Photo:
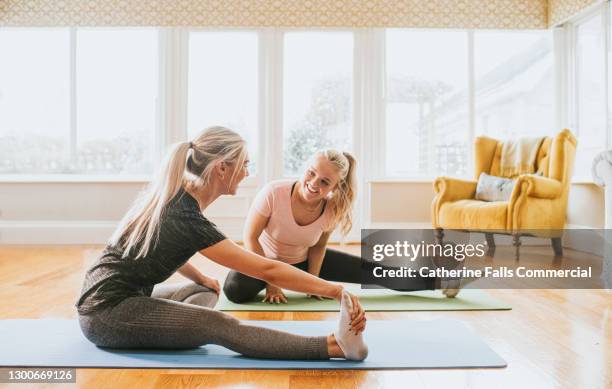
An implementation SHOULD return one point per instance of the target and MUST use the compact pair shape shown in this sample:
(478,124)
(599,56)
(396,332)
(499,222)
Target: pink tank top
(283,238)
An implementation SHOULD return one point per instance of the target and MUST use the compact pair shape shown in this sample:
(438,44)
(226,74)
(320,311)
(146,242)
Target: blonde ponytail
(343,198)
(187,163)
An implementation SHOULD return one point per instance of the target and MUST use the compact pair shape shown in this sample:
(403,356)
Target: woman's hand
(274,295)
(210,283)
(358,319)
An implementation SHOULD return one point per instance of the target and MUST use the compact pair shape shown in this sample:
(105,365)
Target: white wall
(410,202)
(87,212)
(586,205)
(400,201)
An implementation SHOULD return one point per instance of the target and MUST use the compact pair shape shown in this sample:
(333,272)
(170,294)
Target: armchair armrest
(538,187)
(529,196)
(452,189)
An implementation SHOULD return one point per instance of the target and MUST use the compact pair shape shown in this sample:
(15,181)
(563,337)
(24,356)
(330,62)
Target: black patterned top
(183,231)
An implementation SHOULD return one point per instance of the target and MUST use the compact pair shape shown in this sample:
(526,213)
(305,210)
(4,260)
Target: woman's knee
(234,292)
(189,290)
(86,324)
(96,331)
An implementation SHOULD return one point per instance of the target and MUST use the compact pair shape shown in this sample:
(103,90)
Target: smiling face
(320,178)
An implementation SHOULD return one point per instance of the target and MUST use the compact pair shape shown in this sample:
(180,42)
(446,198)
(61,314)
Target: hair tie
(191,145)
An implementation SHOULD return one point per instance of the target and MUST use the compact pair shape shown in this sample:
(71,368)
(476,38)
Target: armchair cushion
(493,188)
(474,214)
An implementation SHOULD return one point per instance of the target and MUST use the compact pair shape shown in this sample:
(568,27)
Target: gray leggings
(181,316)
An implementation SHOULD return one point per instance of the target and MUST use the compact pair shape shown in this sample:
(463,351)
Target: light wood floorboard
(551,338)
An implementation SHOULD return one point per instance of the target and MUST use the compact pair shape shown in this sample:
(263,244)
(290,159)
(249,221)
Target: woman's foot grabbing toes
(349,334)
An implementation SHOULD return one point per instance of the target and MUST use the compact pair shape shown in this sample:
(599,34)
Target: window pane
(318,98)
(514,76)
(223,84)
(34,100)
(426,103)
(117,86)
(591,93)
(609,71)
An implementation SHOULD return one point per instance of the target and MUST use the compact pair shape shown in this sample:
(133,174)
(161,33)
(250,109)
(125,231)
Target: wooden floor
(551,338)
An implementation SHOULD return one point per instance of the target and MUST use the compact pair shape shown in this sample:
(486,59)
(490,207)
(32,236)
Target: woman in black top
(120,305)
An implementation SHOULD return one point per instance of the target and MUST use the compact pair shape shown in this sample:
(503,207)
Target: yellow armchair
(537,205)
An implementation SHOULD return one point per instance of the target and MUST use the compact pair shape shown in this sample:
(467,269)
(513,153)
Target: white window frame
(568,114)
(178,106)
(356,131)
(381,176)
(361,114)
(72,130)
(271,98)
(369,103)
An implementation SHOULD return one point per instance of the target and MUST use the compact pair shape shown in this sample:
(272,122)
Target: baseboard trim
(55,231)
(98,232)
(81,232)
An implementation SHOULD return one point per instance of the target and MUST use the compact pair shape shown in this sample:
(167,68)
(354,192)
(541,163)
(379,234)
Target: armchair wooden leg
(516,242)
(557,246)
(438,235)
(490,244)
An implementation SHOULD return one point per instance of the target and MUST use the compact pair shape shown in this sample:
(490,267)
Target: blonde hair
(343,197)
(187,163)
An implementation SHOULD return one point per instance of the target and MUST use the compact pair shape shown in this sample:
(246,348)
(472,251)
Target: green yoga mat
(377,300)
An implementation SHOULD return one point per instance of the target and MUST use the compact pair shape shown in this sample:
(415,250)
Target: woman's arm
(189,271)
(254,226)
(229,254)
(316,254)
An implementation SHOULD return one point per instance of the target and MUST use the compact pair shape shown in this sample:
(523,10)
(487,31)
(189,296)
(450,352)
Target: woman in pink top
(291,221)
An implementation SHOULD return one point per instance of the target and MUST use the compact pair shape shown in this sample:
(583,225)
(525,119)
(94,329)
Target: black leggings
(337,266)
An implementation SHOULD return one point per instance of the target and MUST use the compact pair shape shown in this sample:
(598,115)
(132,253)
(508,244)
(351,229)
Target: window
(426,103)
(116,101)
(318,95)
(590,93)
(85,100)
(223,84)
(97,114)
(609,76)
(34,101)
(427,115)
(514,77)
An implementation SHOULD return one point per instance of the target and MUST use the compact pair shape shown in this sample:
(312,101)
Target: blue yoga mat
(394,344)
